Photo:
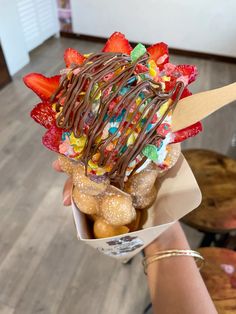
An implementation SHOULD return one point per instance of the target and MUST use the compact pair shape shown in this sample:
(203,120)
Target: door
(4,74)
(38,19)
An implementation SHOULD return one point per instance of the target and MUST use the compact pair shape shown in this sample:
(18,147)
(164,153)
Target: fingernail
(66,199)
(55,164)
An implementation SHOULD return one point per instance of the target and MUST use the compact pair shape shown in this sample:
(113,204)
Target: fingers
(67,192)
(68,185)
(56,166)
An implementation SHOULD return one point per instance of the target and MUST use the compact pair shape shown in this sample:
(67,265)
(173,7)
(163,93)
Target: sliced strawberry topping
(159,53)
(186,93)
(117,43)
(185,133)
(170,85)
(141,68)
(72,56)
(52,138)
(163,129)
(187,70)
(43,86)
(43,114)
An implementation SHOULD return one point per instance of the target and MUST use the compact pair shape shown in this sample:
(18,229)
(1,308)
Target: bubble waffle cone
(109,115)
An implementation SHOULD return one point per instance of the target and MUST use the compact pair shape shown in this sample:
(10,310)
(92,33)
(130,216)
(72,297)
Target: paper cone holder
(178,195)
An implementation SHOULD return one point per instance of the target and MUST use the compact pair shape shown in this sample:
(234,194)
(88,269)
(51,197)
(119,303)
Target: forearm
(175,283)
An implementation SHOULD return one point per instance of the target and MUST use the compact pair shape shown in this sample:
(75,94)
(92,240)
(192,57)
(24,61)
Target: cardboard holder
(178,194)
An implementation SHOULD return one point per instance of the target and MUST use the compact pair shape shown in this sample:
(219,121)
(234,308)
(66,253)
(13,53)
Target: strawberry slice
(43,86)
(43,114)
(52,138)
(141,68)
(186,93)
(169,85)
(185,133)
(117,43)
(159,53)
(187,70)
(72,56)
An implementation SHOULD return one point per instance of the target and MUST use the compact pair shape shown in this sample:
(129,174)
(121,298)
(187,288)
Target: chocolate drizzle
(83,113)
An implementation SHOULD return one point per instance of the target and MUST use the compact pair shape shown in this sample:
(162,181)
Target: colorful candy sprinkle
(124,90)
(65,135)
(152,68)
(137,52)
(150,151)
(164,107)
(92,164)
(132,138)
(113,130)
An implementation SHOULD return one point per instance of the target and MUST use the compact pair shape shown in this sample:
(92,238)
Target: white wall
(11,37)
(199,25)
(24,25)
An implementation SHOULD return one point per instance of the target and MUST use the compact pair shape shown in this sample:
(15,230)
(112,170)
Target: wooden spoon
(197,107)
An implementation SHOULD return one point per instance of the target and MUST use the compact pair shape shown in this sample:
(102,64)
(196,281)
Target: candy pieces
(87,204)
(153,70)
(85,184)
(151,152)
(184,73)
(137,52)
(66,165)
(102,229)
(117,209)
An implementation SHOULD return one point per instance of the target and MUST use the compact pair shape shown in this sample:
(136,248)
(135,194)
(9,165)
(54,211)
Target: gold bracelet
(170,253)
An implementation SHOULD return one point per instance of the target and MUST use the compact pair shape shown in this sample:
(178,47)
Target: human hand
(172,238)
(67,186)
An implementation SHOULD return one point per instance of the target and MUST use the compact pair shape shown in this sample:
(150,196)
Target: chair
(216,215)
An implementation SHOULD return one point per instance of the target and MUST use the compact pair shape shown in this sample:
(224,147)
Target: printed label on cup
(121,246)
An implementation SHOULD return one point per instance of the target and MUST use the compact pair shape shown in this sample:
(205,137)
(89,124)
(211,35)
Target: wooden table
(219,275)
(216,176)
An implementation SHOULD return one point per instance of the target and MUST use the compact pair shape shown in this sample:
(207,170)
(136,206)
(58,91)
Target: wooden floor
(43,267)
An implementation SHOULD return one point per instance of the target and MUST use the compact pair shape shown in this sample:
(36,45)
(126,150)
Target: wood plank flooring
(43,267)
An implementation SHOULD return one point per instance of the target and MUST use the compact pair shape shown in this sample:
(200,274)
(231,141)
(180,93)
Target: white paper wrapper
(177,196)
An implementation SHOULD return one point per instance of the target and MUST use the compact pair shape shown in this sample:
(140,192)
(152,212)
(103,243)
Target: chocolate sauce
(96,77)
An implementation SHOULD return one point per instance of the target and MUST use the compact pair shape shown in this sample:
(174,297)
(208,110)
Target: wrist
(172,238)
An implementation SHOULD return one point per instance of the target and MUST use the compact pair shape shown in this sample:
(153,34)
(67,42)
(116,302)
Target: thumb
(67,191)
(56,166)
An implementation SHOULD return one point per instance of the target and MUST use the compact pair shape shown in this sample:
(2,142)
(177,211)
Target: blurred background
(43,267)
